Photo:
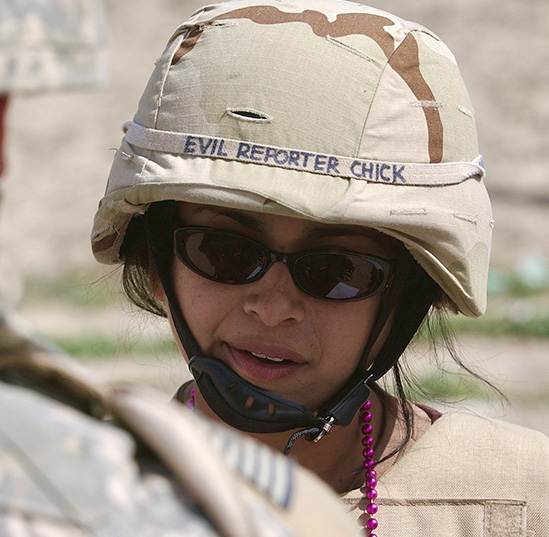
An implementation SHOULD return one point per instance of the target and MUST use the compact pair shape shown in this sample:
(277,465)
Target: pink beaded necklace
(370,475)
(190,402)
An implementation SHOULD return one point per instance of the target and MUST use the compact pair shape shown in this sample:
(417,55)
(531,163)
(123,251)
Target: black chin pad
(245,406)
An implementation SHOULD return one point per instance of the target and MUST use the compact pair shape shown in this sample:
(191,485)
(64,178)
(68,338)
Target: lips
(263,364)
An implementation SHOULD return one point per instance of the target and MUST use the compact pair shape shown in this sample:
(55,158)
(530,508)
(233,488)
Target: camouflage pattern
(338,113)
(156,469)
(50,44)
(65,474)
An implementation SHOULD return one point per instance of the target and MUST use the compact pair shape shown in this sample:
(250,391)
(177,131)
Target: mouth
(268,358)
(263,366)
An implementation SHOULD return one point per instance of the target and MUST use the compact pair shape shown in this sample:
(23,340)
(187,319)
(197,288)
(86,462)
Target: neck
(337,458)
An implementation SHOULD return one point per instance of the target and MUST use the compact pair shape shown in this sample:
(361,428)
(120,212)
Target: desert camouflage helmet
(320,109)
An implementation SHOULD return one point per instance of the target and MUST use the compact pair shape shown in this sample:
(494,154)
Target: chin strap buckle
(325,429)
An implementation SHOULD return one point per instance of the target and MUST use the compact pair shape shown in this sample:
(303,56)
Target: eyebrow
(320,232)
(339,231)
(234,214)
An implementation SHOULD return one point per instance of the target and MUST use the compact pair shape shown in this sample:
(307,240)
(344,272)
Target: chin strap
(243,405)
(252,409)
(411,295)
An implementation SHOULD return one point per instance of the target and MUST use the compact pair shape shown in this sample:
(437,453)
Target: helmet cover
(321,109)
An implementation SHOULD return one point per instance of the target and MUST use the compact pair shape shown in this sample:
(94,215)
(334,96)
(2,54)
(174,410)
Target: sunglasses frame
(384,267)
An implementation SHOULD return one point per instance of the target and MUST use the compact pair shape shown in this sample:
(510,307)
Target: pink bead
(368,464)
(371,494)
(367,405)
(371,473)
(367,417)
(371,509)
(368,453)
(371,483)
(371,524)
(372,535)
(367,429)
(368,441)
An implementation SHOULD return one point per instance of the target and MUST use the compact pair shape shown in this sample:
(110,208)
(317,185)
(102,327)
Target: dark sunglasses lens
(219,256)
(338,276)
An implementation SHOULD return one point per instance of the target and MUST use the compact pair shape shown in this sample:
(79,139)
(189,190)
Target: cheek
(342,331)
(204,303)
(344,334)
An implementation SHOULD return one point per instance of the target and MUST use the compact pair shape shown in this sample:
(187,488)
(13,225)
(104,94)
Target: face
(269,331)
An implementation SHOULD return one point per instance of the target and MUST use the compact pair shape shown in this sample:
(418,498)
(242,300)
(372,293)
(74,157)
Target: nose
(274,298)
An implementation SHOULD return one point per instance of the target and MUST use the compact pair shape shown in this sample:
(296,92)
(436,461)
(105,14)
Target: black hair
(138,270)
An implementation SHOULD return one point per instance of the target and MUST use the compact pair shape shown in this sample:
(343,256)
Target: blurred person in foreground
(45,45)
(300,192)
(81,458)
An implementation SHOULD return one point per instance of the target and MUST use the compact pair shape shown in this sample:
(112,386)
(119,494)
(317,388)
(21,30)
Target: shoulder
(484,442)
(476,431)
(476,467)
(66,472)
(482,449)
(62,471)
(219,466)
(467,475)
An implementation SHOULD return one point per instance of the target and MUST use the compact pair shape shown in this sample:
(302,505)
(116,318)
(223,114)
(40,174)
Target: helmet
(376,126)
(366,112)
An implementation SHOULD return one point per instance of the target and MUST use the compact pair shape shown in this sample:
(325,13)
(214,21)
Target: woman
(339,141)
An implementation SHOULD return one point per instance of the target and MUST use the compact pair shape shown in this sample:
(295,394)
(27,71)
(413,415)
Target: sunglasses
(226,257)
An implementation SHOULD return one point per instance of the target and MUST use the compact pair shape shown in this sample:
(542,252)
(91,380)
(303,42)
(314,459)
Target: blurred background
(59,147)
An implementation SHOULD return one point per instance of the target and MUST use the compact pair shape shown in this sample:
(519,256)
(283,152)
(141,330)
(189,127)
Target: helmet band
(201,146)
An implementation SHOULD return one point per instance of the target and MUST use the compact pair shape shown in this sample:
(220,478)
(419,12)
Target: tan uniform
(467,476)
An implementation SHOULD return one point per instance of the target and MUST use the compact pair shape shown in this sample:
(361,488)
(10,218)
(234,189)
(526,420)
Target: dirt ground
(60,146)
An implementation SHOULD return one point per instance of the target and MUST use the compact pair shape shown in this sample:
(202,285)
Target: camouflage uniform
(50,44)
(153,470)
